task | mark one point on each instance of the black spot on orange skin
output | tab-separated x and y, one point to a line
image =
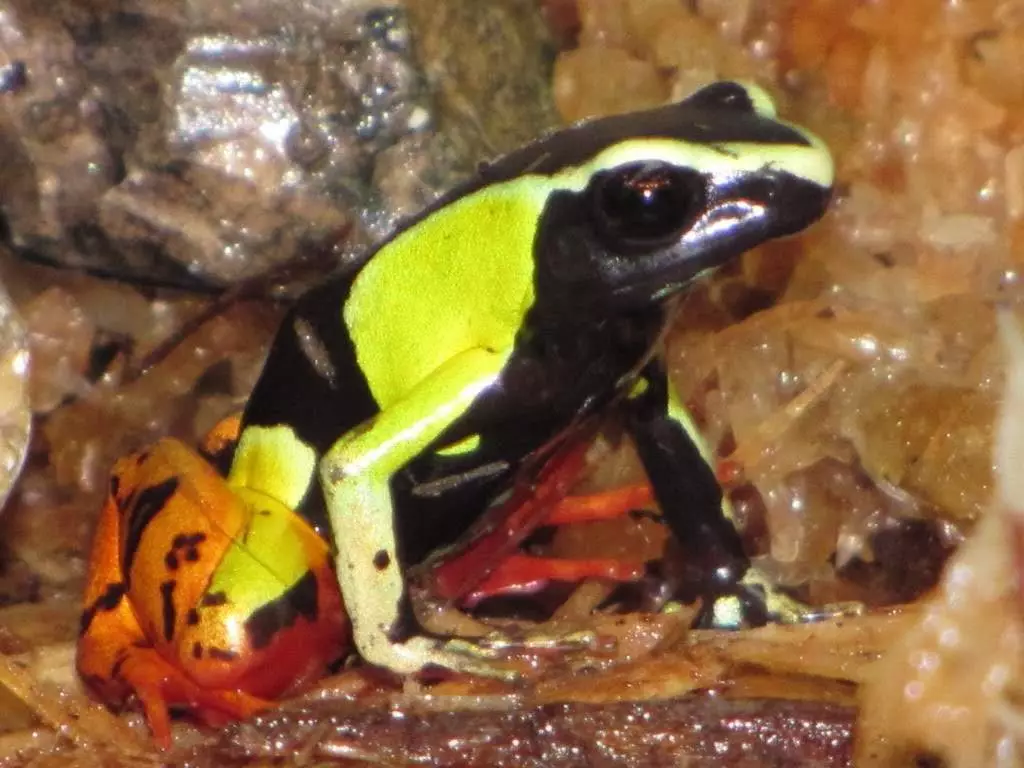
115	669
141	458
170	613
187	540
221	654
185	544
197	650
94	681
269	619
213	599
115	486
145	506
381	560
192	617
108	601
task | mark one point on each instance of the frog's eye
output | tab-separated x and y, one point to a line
646	205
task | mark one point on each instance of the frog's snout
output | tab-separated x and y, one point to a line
796	203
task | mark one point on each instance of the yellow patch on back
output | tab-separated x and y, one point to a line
275	462
639	387
464	446
460	279
265	561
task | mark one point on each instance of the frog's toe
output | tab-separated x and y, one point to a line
218	708
483	656
157	714
483	648
756	602
471	658
541	641
783	609
849	608
159	685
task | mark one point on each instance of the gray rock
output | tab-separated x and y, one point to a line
188	143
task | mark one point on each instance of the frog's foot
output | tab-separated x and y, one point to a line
539	642
424	655
846	608
756	601
158	686
491	656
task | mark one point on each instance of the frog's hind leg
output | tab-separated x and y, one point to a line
158	686
606	505
490	565
525	574
116	656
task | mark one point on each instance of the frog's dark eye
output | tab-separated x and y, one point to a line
646	205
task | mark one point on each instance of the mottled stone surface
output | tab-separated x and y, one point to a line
192	143
693	731
15	415
182	144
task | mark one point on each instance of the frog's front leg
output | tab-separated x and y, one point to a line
679	467
356	475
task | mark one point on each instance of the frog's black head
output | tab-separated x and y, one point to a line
640	204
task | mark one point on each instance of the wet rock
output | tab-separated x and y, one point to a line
15	416
490	66
692	731
197	144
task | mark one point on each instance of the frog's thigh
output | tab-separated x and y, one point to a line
355	475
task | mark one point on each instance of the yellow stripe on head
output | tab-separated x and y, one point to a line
808	162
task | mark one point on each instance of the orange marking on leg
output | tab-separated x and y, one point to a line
169	517
524	574
159	685
606	505
489	564
510	523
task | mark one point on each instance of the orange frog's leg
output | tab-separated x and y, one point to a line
458	572
524	574
270	620
608	505
218	445
605	505
151	557
489	565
